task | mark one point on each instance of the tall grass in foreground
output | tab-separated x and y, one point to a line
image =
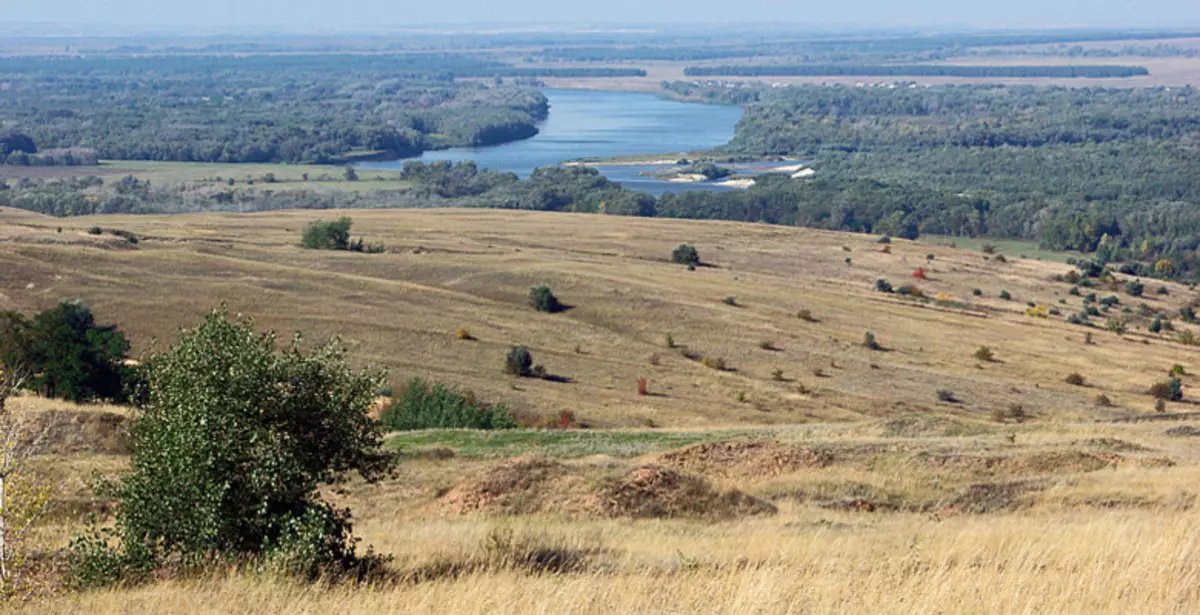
1079	562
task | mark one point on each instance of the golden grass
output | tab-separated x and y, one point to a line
1068	512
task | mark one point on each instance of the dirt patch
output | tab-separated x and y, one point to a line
658	492
538	485
71	433
1030	464
924	425
1115	445
745	459
984	498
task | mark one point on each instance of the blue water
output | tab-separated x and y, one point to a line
585	124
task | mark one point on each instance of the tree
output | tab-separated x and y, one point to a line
685	254
543	300
518	362
68	355
232	440
327	235
350	174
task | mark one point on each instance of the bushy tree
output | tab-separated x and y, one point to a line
232	440
543	300
327	235
685	254
518	361
68	355
422	405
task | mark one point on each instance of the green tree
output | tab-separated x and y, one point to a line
68	355
685	254
327	235
543	299
231	442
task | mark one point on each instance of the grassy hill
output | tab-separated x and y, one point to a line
846	481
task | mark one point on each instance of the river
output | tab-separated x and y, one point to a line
591	124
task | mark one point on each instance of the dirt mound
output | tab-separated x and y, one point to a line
1115	445
538	485
1029	464
86	432
983	498
1183	431
659	492
745	459
514	487
925	425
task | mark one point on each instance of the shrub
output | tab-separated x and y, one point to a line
424	405
1171	390
777	375
1133	288
908	290
929	256
95	230
1103	401
977	292
1005	295
883	286
1187	314
1177	370
1074	292
463	334
349	174
985	354
1156	325
806	315
920	274
730	300
685	254
1075	379
869	341
767	345
988	248
543	300
1163	290
643	387
327	235
1087	339
1160	406
1038	311
1000	258
1110	301
716	363
518	362
1017	413
230	447
1186	337
885	250
1116	325
670	341
946	396
886	239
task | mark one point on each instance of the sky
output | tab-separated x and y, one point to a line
324	15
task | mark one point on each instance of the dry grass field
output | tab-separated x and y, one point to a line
812	475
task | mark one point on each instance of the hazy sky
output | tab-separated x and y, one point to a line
325	14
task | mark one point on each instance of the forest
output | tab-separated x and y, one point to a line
297	109
915	70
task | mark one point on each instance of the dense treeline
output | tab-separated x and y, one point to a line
915	70
300	109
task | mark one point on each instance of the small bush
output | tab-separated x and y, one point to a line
1074	292
423	405
1134	288
767	345
669	340
1005	295
884	240
869	341
908	290
685	254
518	362
977	292
806	315
1000	258
463	334
777	375
543	300
988	248
1163	290
716	363
1017	413
730	300
1160	406
1075	379
1171	390
929	256
1103	401
327	235
1116	325
985	354
643	387
1177	370
95	230
920	274
946	396
883	286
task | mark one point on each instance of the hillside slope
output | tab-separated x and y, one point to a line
452	269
